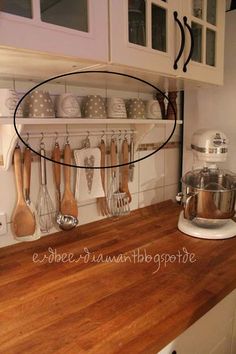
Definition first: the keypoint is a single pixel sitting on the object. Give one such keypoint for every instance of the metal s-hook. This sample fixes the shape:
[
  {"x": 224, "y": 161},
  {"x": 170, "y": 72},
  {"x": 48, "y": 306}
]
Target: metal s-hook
[
  {"x": 67, "y": 136},
  {"x": 56, "y": 137},
  {"x": 86, "y": 142},
  {"x": 27, "y": 138},
  {"x": 113, "y": 134},
  {"x": 103, "y": 134},
  {"x": 42, "y": 145}
]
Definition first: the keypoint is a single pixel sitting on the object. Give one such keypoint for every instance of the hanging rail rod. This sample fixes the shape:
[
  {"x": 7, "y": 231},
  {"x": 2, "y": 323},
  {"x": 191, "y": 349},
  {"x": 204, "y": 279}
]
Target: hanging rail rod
[{"x": 85, "y": 133}]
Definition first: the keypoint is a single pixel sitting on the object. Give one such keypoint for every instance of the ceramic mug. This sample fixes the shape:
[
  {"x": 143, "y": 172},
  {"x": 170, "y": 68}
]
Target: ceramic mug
[
  {"x": 39, "y": 104},
  {"x": 67, "y": 105},
  {"x": 153, "y": 110},
  {"x": 94, "y": 107},
  {"x": 136, "y": 108},
  {"x": 8, "y": 102},
  {"x": 116, "y": 107}
]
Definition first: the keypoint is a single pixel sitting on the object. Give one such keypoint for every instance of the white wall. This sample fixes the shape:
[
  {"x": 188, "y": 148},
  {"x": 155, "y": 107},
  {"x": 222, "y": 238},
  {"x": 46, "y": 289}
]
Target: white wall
[
  {"x": 156, "y": 179},
  {"x": 215, "y": 107}
]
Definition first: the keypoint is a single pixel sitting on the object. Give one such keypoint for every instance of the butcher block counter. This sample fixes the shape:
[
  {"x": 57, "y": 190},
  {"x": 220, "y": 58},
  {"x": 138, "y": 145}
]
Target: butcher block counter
[{"x": 128, "y": 285}]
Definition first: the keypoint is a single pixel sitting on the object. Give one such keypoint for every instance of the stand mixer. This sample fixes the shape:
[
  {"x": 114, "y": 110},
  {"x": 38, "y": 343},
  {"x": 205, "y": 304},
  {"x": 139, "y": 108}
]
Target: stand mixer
[{"x": 209, "y": 193}]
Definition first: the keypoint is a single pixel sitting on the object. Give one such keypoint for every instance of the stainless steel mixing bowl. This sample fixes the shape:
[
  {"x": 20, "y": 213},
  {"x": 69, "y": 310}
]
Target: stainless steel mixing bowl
[{"x": 209, "y": 196}]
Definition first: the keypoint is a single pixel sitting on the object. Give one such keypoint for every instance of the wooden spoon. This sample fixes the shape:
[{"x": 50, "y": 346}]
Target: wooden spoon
[
  {"x": 125, "y": 170},
  {"x": 102, "y": 201},
  {"x": 23, "y": 221},
  {"x": 68, "y": 203}
]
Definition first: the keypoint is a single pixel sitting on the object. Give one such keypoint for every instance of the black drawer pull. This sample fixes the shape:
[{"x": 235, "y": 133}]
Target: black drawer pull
[
  {"x": 191, "y": 45},
  {"x": 182, "y": 40}
]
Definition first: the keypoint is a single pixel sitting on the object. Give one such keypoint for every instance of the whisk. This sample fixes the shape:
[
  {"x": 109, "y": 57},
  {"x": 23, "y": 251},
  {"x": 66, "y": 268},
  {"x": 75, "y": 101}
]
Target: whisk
[{"x": 45, "y": 208}]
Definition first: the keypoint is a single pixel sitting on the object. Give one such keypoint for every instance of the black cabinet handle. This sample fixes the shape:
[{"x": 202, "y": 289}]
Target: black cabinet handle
[
  {"x": 191, "y": 45},
  {"x": 182, "y": 40}
]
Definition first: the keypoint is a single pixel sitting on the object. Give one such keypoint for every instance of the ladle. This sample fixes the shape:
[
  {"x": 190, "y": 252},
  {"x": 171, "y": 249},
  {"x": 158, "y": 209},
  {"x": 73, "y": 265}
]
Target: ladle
[{"x": 65, "y": 222}]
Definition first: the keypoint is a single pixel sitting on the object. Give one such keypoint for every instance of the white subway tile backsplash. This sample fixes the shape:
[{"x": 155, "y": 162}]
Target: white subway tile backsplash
[
  {"x": 151, "y": 170},
  {"x": 171, "y": 191},
  {"x": 168, "y": 130},
  {"x": 156, "y": 135},
  {"x": 150, "y": 197},
  {"x": 172, "y": 166}
]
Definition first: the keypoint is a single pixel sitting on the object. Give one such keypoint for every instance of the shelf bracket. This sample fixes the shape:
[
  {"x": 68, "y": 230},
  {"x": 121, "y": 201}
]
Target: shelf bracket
[
  {"x": 8, "y": 143},
  {"x": 141, "y": 131}
]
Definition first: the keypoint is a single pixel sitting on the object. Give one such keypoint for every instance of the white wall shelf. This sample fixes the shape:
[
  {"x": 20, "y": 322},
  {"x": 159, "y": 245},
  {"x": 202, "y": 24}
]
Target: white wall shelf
[
  {"x": 9, "y": 136},
  {"x": 47, "y": 121}
]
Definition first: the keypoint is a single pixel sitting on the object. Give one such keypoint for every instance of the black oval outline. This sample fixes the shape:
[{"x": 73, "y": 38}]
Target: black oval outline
[{"x": 96, "y": 72}]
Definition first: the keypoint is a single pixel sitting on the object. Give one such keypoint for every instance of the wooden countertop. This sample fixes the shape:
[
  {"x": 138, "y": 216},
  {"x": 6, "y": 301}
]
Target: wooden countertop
[{"x": 111, "y": 307}]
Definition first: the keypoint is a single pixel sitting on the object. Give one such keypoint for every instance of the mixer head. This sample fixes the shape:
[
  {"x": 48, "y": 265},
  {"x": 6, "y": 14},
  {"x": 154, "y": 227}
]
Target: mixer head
[{"x": 210, "y": 146}]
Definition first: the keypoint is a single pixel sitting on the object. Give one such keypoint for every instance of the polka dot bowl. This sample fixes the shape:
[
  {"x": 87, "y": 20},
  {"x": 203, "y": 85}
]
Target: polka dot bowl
[
  {"x": 94, "y": 107},
  {"x": 39, "y": 105},
  {"x": 136, "y": 108}
]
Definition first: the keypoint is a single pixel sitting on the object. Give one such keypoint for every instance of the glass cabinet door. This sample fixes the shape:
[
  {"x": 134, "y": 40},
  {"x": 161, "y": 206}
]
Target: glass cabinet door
[
  {"x": 204, "y": 28},
  {"x": 66, "y": 13},
  {"x": 21, "y": 8},
  {"x": 147, "y": 23}
]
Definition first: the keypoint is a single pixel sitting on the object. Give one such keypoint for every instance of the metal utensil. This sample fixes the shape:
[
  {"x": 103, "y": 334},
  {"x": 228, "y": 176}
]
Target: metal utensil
[
  {"x": 65, "y": 222},
  {"x": 23, "y": 221},
  {"x": 116, "y": 199},
  {"x": 131, "y": 159},
  {"x": 45, "y": 208},
  {"x": 26, "y": 184},
  {"x": 125, "y": 170},
  {"x": 102, "y": 201}
]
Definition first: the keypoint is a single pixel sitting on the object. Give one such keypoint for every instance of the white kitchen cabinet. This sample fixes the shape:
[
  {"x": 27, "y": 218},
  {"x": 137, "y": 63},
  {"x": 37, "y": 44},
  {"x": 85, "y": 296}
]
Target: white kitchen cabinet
[
  {"x": 64, "y": 27},
  {"x": 206, "y": 19},
  {"x": 152, "y": 34},
  {"x": 211, "y": 334}
]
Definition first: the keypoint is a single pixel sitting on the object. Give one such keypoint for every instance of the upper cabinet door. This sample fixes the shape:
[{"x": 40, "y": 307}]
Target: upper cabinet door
[
  {"x": 144, "y": 34},
  {"x": 204, "y": 22},
  {"x": 65, "y": 27}
]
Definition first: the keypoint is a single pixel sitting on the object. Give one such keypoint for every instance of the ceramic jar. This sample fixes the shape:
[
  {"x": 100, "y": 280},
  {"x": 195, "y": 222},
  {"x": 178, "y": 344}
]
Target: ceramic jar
[
  {"x": 39, "y": 105},
  {"x": 8, "y": 102},
  {"x": 116, "y": 107},
  {"x": 67, "y": 105},
  {"x": 94, "y": 107},
  {"x": 136, "y": 108}
]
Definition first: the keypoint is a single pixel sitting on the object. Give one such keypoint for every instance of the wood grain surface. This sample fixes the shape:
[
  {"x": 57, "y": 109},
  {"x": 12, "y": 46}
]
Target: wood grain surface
[{"x": 110, "y": 307}]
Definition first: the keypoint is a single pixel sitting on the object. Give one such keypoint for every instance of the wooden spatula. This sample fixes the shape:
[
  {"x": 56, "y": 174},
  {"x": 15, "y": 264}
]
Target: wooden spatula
[
  {"x": 102, "y": 201},
  {"x": 68, "y": 203},
  {"x": 23, "y": 221}
]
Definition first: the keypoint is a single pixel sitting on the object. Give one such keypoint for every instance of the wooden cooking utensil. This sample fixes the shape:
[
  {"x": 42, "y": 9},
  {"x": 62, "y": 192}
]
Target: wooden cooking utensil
[
  {"x": 27, "y": 174},
  {"x": 102, "y": 201},
  {"x": 125, "y": 170},
  {"x": 56, "y": 156},
  {"x": 23, "y": 221},
  {"x": 68, "y": 203}
]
